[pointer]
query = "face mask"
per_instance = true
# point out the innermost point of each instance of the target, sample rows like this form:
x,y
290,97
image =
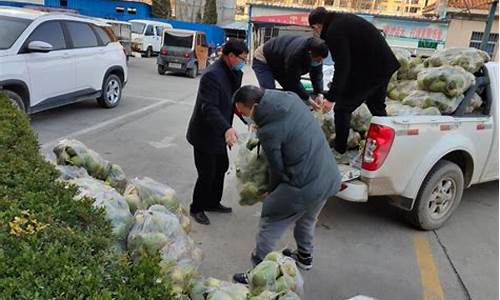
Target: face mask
x,y
315,63
239,66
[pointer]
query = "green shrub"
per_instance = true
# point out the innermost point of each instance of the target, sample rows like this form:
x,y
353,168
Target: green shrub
x,y
51,246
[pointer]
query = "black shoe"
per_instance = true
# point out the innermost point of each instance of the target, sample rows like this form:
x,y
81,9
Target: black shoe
x,y
200,217
240,278
303,260
220,209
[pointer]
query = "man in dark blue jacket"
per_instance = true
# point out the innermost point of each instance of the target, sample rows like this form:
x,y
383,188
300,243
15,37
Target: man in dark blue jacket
x,y
300,158
285,59
210,129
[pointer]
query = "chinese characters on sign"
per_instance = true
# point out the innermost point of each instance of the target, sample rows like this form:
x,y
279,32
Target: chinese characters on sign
x,y
429,33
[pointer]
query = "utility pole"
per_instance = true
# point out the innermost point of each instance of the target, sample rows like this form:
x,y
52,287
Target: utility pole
x,y
489,23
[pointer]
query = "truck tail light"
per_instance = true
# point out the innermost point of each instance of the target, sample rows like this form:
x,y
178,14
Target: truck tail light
x,y
378,144
187,54
164,51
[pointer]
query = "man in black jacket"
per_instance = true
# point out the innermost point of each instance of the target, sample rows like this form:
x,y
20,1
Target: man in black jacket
x,y
285,59
210,129
364,64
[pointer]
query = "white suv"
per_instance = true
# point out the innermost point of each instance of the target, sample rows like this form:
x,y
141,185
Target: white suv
x,y
52,59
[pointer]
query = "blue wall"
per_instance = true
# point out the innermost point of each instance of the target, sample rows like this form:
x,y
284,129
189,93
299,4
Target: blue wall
x,y
215,34
107,9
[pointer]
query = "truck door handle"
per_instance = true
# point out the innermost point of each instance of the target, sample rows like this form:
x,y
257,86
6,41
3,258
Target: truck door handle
x,y
66,56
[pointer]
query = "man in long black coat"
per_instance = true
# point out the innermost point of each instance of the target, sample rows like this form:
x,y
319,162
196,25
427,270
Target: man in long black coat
x,y
364,64
210,129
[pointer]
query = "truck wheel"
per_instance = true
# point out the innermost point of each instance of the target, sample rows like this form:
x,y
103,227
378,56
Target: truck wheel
x,y
161,69
439,196
193,72
111,92
15,99
149,52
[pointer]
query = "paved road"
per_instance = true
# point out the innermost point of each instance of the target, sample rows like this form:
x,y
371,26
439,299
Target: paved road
x,y
361,248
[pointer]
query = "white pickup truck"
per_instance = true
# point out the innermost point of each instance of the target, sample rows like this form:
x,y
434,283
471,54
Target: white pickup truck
x,y
423,163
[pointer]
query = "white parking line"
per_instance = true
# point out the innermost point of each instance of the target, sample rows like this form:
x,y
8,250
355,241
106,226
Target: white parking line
x,y
160,103
159,99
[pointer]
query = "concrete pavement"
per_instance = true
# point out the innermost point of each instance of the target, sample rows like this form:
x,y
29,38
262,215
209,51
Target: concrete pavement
x,y
360,248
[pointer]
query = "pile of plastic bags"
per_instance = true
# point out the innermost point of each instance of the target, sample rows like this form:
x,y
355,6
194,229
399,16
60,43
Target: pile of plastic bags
x,y
146,216
276,275
470,59
439,81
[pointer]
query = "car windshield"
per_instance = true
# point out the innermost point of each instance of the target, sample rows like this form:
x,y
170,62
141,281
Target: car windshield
x,y
183,40
10,29
138,27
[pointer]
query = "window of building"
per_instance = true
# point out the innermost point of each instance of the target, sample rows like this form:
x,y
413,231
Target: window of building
x,y
475,41
398,8
120,9
82,35
49,32
413,10
132,10
329,2
63,3
407,9
415,2
270,32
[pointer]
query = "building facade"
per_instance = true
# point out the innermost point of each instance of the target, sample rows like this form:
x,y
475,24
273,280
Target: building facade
x,y
467,21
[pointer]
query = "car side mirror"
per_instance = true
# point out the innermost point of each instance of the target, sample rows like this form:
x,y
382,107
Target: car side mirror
x,y
39,46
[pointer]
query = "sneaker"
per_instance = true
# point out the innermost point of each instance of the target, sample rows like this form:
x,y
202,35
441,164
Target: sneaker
x,y
240,278
303,260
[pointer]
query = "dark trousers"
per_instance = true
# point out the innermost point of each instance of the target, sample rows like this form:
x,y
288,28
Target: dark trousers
x,y
264,75
374,99
210,183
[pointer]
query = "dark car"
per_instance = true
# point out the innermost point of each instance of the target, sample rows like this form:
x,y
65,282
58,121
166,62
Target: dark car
x,y
183,51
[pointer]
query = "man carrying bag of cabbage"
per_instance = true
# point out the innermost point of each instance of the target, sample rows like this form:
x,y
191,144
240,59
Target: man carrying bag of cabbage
x,y
303,164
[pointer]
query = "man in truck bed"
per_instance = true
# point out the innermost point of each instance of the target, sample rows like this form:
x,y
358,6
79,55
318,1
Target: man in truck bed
x,y
364,64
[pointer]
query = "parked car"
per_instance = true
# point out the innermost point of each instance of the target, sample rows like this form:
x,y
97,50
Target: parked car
x,y
184,51
52,59
423,163
147,36
123,32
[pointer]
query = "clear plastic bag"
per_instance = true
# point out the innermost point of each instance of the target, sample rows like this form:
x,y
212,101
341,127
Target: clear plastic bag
x,y
475,103
153,229
398,90
75,153
451,81
117,210
211,288
471,59
142,193
117,178
289,296
361,117
252,172
396,108
425,100
71,172
327,122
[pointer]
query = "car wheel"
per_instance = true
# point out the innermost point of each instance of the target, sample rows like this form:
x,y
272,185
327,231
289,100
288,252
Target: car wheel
x,y
15,99
193,72
439,196
111,92
149,52
161,69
